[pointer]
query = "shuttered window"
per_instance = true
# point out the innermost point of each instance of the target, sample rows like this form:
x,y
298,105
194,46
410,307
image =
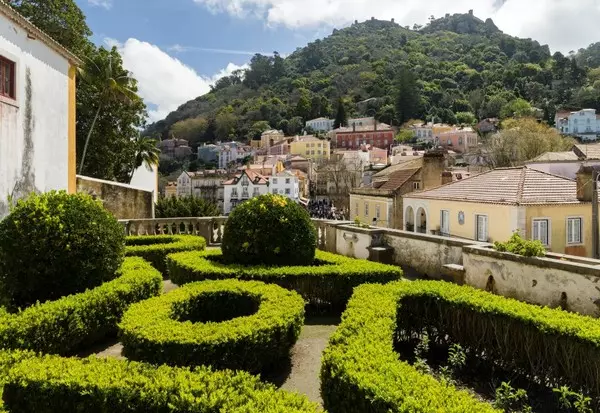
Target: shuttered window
x,y
540,231
574,230
7,78
482,228
445,222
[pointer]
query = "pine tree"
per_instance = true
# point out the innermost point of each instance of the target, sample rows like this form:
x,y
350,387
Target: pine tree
x,y
408,99
341,117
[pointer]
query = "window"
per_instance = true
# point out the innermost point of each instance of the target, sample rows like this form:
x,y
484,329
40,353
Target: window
x,y
574,230
445,222
356,209
481,230
416,185
312,152
307,152
274,181
275,191
287,180
287,191
234,193
460,141
540,231
377,211
255,192
7,78
366,209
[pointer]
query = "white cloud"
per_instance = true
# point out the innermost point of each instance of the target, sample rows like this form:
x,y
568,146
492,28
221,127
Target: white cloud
x,y
564,25
177,48
106,4
164,82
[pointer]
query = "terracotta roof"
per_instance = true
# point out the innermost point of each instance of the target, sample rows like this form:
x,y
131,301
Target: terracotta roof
x,y
507,186
308,138
383,127
591,151
415,163
556,156
397,179
255,178
37,33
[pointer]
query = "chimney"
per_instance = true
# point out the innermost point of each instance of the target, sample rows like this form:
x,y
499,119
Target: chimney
x,y
585,186
353,126
375,122
446,177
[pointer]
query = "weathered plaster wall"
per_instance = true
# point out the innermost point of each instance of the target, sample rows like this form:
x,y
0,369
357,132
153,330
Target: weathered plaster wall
x,y
34,147
124,201
352,243
535,280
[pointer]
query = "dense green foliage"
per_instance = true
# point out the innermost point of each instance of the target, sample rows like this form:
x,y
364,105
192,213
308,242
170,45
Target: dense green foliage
x,y
456,64
269,230
361,372
184,207
325,286
361,368
517,245
56,244
8,358
155,249
73,322
238,325
52,384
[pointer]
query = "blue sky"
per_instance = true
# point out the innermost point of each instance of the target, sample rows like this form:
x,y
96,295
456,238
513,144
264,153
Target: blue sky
x,y
177,48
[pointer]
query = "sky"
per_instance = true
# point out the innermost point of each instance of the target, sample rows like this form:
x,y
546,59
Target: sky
x,y
177,48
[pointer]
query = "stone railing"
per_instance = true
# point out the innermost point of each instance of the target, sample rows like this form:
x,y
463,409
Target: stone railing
x,y
212,228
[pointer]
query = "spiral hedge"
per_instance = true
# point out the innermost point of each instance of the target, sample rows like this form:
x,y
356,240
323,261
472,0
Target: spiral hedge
x,y
155,248
361,372
53,384
70,323
227,324
325,286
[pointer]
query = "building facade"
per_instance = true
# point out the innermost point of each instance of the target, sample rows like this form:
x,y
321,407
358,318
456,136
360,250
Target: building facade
x,y
458,140
37,111
208,153
244,186
285,183
271,137
583,124
311,147
379,135
320,124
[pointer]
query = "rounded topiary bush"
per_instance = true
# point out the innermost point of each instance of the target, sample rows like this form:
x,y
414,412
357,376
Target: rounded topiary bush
x,y
57,244
269,230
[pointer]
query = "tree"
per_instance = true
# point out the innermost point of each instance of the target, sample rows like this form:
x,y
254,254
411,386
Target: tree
x,y
341,117
257,129
192,130
408,99
304,105
105,72
466,118
517,108
146,153
190,206
225,123
63,20
295,126
405,135
523,139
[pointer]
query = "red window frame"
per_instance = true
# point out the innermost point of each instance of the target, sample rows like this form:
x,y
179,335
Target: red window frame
x,y
9,66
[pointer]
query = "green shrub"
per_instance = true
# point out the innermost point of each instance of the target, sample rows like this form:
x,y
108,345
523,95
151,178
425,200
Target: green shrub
x,y
53,384
225,324
73,322
189,206
361,372
56,244
520,246
155,248
7,360
269,230
325,286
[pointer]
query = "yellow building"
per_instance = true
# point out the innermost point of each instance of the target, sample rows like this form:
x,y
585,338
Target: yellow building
x,y
270,138
311,148
492,206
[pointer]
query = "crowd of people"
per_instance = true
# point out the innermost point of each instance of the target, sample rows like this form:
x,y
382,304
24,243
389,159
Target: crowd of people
x,y
324,209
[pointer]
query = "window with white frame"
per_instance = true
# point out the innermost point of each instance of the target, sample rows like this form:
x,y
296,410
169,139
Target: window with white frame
x,y
574,230
481,229
288,191
356,209
540,231
366,209
287,181
416,185
378,211
445,222
274,181
275,191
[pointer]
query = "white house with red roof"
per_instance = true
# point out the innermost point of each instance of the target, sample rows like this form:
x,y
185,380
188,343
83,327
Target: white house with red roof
x,y
248,184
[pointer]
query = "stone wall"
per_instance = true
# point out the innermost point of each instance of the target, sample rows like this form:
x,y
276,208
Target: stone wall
x,y
124,201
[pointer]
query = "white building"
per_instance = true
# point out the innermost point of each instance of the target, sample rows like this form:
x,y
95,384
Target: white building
x,y
584,124
361,122
320,124
37,110
244,186
285,183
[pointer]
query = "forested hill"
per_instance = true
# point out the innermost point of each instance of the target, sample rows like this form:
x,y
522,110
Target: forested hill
x,y
458,66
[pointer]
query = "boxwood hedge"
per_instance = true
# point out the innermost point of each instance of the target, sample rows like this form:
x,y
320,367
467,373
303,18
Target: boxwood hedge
x,y
326,285
73,322
155,248
361,372
53,384
225,324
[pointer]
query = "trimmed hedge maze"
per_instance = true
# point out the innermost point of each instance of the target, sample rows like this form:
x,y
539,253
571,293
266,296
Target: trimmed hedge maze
x,y
325,286
155,248
227,324
70,323
53,384
361,371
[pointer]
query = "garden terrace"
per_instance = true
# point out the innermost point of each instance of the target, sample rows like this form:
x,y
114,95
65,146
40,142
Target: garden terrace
x,y
155,249
326,286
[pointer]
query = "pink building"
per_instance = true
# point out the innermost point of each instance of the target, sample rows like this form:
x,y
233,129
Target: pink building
x,y
459,140
279,148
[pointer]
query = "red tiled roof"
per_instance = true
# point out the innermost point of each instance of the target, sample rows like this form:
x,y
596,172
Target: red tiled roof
x,y
398,178
507,186
255,178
